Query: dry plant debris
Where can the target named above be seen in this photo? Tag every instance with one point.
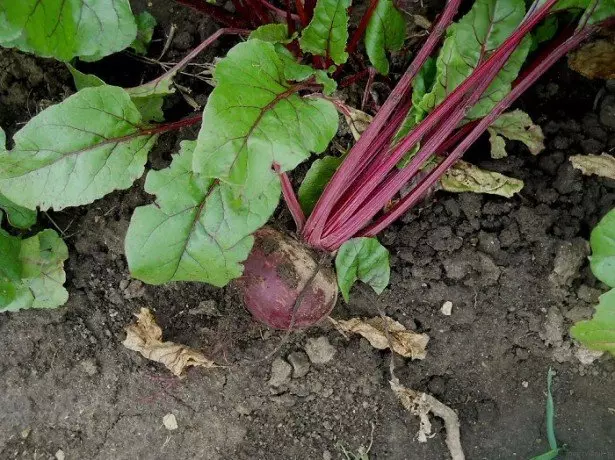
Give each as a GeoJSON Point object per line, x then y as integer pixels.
{"type": "Point", "coordinates": [406, 343]}
{"type": "Point", "coordinates": [145, 336]}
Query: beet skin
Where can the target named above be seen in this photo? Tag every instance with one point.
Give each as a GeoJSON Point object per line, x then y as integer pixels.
{"type": "Point", "coordinates": [278, 269]}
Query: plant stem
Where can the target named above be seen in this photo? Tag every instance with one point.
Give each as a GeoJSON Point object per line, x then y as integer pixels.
{"type": "Point", "coordinates": [292, 203]}
{"type": "Point", "coordinates": [445, 117]}
{"type": "Point", "coordinates": [280, 14]}
{"type": "Point", "coordinates": [356, 36]}
{"type": "Point", "coordinates": [370, 80]}
{"type": "Point", "coordinates": [350, 79]}
{"type": "Point", "coordinates": [174, 125]}
{"type": "Point", "coordinates": [539, 68]}
{"type": "Point", "coordinates": [301, 13]}
{"type": "Point", "coordinates": [195, 52]}
{"type": "Point", "coordinates": [218, 13]}
{"type": "Point", "coordinates": [355, 161]}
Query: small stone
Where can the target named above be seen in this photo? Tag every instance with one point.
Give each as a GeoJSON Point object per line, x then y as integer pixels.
{"type": "Point", "coordinates": [280, 372]}
{"type": "Point", "coordinates": [553, 331]}
{"type": "Point", "coordinates": [319, 350]}
{"type": "Point", "coordinates": [206, 307]}
{"type": "Point", "coordinates": [587, 356]}
{"type": "Point", "coordinates": [89, 366]}
{"type": "Point", "coordinates": [124, 284]}
{"type": "Point", "coordinates": [525, 384]}
{"type": "Point", "coordinates": [25, 433]}
{"type": "Point", "coordinates": [60, 455]}
{"type": "Point", "coordinates": [300, 363]}
{"type": "Point", "coordinates": [134, 290]}
{"type": "Point", "coordinates": [170, 422]}
{"type": "Point", "coordinates": [326, 455]}
{"type": "Point", "coordinates": [570, 256]}
{"type": "Point", "coordinates": [447, 308]}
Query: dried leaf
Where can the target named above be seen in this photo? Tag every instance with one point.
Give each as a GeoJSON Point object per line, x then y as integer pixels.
{"type": "Point", "coordinates": [515, 126]}
{"type": "Point", "coordinates": [404, 342]}
{"type": "Point", "coordinates": [146, 337]}
{"type": "Point", "coordinates": [600, 165]}
{"type": "Point", "coordinates": [594, 60]}
{"type": "Point", "coordinates": [421, 404]}
{"type": "Point", "coordinates": [422, 21]}
{"type": "Point", "coordinates": [465, 177]}
{"type": "Point", "coordinates": [358, 121]}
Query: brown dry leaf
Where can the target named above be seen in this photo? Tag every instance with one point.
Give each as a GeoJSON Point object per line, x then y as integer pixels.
{"type": "Point", "coordinates": [145, 336]}
{"type": "Point", "coordinates": [600, 165]}
{"type": "Point", "coordinates": [422, 21]}
{"type": "Point", "coordinates": [357, 120]}
{"type": "Point", "coordinates": [421, 404]}
{"type": "Point", "coordinates": [595, 59]}
{"type": "Point", "coordinates": [404, 342]}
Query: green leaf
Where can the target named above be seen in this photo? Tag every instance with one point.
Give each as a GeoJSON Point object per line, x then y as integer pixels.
{"type": "Point", "coordinates": [293, 71]}
{"type": "Point", "coordinates": [363, 259]}
{"type": "Point", "coordinates": [599, 10]}
{"type": "Point", "coordinates": [18, 216]}
{"type": "Point", "coordinates": [77, 151]}
{"type": "Point", "coordinates": [327, 33]}
{"type": "Point", "coordinates": [468, 43]}
{"type": "Point", "coordinates": [598, 333]}
{"type": "Point", "coordinates": [274, 33]}
{"type": "Point", "coordinates": [465, 177]}
{"type": "Point", "coordinates": [602, 242]}
{"type": "Point", "coordinates": [545, 31]}
{"type": "Point", "coordinates": [254, 118]}
{"type": "Point", "coordinates": [386, 31]}
{"type": "Point", "coordinates": [40, 279]}
{"type": "Point", "coordinates": [196, 230]}
{"type": "Point", "coordinates": [145, 31]}
{"type": "Point", "coordinates": [84, 80]}
{"type": "Point", "coordinates": [516, 126]}
{"type": "Point", "coordinates": [148, 98]}
{"type": "Point", "coordinates": [64, 29]}
{"type": "Point", "coordinates": [318, 176]}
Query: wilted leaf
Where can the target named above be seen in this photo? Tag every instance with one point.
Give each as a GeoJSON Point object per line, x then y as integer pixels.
{"type": "Point", "coordinates": [465, 177]}
{"type": "Point", "coordinates": [602, 242]}
{"type": "Point", "coordinates": [77, 151]}
{"type": "Point", "coordinates": [318, 176]}
{"type": "Point", "coordinates": [145, 30]}
{"type": "Point", "coordinates": [595, 59]}
{"type": "Point", "coordinates": [598, 333]}
{"type": "Point", "coordinates": [145, 336]}
{"type": "Point", "coordinates": [421, 404]}
{"type": "Point", "coordinates": [64, 29]}
{"type": "Point", "coordinates": [515, 126]}
{"type": "Point", "coordinates": [252, 104]}
{"type": "Point", "coordinates": [197, 230]}
{"type": "Point", "coordinates": [386, 31]}
{"type": "Point", "coordinates": [32, 271]}
{"type": "Point", "coordinates": [327, 33]}
{"type": "Point", "coordinates": [403, 342]}
{"type": "Point", "coordinates": [358, 121]}
{"type": "Point", "coordinates": [600, 165]}
{"type": "Point", "coordinates": [363, 259]}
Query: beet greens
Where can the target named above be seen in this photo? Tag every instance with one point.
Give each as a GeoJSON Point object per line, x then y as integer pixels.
{"type": "Point", "coordinates": [273, 106]}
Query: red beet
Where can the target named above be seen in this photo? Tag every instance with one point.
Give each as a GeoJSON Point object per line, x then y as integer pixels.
{"type": "Point", "coordinates": [278, 271]}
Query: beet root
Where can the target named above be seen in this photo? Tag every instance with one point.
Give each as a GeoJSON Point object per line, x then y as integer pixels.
{"type": "Point", "coordinates": [279, 273]}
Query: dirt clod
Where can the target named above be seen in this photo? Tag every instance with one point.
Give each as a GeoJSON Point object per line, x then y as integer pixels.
{"type": "Point", "coordinates": [319, 350]}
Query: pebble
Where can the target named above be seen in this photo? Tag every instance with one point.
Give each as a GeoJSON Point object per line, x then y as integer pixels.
{"type": "Point", "coordinates": [170, 422]}
{"type": "Point", "coordinates": [89, 366]}
{"type": "Point", "coordinates": [447, 308]}
{"type": "Point", "coordinates": [207, 308]}
{"type": "Point", "coordinates": [300, 362]}
{"type": "Point", "coordinates": [60, 455]}
{"type": "Point", "coordinates": [319, 350]}
{"type": "Point", "coordinates": [280, 373]}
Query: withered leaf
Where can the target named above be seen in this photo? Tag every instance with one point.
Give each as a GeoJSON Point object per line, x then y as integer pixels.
{"type": "Point", "coordinates": [600, 165]}
{"type": "Point", "coordinates": [403, 342]}
{"type": "Point", "coordinates": [595, 59]}
{"type": "Point", "coordinates": [145, 336]}
{"type": "Point", "coordinates": [465, 177]}
{"type": "Point", "coordinates": [357, 120]}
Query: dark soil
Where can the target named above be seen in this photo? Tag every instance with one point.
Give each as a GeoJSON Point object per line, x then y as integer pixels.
{"type": "Point", "coordinates": [515, 270]}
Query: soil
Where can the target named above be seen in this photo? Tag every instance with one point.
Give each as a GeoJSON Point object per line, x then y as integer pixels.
{"type": "Point", "coordinates": [515, 270]}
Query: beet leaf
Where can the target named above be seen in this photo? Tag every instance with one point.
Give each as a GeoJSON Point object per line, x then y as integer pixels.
{"type": "Point", "coordinates": [18, 216]}
{"type": "Point", "coordinates": [196, 230]}
{"type": "Point", "coordinates": [362, 259]}
{"type": "Point", "coordinates": [145, 31]}
{"type": "Point", "coordinates": [317, 177]}
{"type": "Point", "coordinates": [386, 31]}
{"type": "Point", "coordinates": [327, 33]}
{"type": "Point", "coordinates": [32, 271]}
{"type": "Point", "coordinates": [77, 151]}
{"type": "Point", "coordinates": [64, 29]}
{"type": "Point", "coordinates": [598, 333]}
{"type": "Point", "coordinates": [255, 119]}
